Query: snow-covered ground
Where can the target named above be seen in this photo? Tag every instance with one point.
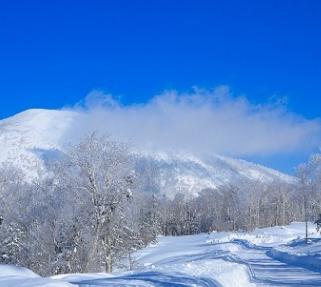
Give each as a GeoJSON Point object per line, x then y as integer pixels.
{"type": "Point", "coordinates": [11, 276]}
{"type": "Point", "coordinates": [276, 256]}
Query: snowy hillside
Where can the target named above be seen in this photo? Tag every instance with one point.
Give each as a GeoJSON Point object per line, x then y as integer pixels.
{"type": "Point", "coordinates": [218, 259]}
{"type": "Point", "coordinates": [28, 138]}
{"type": "Point", "coordinates": [185, 172]}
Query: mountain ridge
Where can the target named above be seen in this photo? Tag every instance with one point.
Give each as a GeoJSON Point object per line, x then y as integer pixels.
{"type": "Point", "coordinates": [27, 136]}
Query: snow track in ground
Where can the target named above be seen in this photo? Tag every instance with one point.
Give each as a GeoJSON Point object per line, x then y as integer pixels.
{"type": "Point", "coordinates": [152, 278]}
{"type": "Point", "coordinates": [266, 270]}
{"type": "Point", "coordinates": [193, 263]}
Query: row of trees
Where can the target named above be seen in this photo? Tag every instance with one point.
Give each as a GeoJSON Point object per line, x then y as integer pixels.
{"type": "Point", "coordinates": [87, 212]}
{"type": "Point", "coordinates": [309, 175]}
{"type": "Point", "coordinates": [232, 208]}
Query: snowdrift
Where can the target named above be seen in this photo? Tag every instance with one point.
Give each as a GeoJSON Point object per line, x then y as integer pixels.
{"type": "Point", "coordinates": [13, 276]}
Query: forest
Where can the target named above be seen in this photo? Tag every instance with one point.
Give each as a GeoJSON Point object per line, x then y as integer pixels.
{"type": "Point", "coordinates": [93, 206]}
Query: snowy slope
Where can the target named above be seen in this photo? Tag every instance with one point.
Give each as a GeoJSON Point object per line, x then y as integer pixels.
{"type": "Point", "coordinates": [185, 172]}
{"type": "Point", "coordinates": [28, 138]}
{"type": "Point", "coordinates": [25, 136]}
{"type": "Point", "coordinates": [218, 259]}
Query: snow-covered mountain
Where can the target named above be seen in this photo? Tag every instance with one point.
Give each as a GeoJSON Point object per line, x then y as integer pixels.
{"type": "Point", "coordinates": [26, 139]}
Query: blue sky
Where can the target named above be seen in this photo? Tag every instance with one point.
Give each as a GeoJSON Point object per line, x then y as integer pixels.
{"type": "Point", "coordinates": [53, 53]}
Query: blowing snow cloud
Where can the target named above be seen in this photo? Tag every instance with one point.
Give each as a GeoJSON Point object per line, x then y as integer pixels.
{"type": "Point", "coordinates": [200, 121]}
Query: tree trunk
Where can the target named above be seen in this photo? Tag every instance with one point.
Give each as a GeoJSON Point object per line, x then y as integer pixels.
{"type": "Point", "coordinates": [109, 262]}
{"type": "Point", "coordinates": [306, 231]}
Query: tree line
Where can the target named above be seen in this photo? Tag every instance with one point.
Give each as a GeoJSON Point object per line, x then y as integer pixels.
{"type": "Point", "coordinates": [93, 207]}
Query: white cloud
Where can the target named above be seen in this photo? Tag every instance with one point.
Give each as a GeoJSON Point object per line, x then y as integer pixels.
{"type": "Point", "coordinates": [201, 121]}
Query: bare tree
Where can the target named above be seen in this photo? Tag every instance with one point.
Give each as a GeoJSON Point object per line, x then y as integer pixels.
{"type": "Point", "coordinates": [101, 170]}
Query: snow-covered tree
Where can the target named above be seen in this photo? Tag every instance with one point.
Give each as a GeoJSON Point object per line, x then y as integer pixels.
{"type": "Point", "coordinates": [100, 172]}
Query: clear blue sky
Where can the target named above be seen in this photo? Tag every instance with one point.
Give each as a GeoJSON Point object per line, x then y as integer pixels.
{"type": "Point", "coordinates": [52, 53]}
